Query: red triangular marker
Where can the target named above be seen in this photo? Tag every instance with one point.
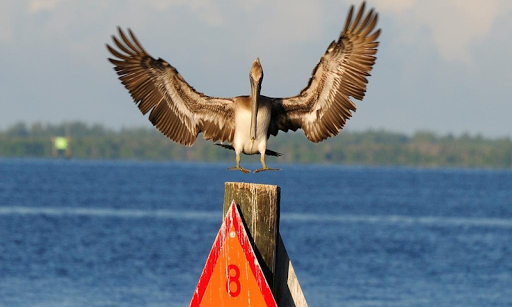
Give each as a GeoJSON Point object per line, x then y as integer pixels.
{"type": "Point", "coordinates": [232, 275]}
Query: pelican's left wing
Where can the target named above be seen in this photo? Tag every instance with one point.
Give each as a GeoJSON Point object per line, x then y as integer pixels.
{"type": "Point", "coordinates": [177, 109]}
{"type": "Point", "coordinates": [323, 107]}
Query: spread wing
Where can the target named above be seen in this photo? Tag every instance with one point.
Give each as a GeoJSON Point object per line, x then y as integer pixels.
{"type": "Point", "coordinates": [176, 109]}
{"type": "Point", "coordinates": [322, 108]}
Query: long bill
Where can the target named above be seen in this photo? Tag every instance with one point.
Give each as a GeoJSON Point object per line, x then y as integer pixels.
{"type": "Point", "coordinates": [254, 109]}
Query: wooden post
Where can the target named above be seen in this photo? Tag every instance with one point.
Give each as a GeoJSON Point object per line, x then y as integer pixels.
{"type": "Point", "coordinates": [259, 206]}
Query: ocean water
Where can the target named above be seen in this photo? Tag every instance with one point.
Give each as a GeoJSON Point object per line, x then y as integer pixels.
{"type": "Point", "coordinates": [120, 233]}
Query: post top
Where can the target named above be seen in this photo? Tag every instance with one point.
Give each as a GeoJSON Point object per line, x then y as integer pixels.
{"type": "Point", "coordinates": [255, 185]}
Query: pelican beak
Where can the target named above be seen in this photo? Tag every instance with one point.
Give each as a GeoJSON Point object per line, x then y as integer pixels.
{"type": "Point", "coordinates": [254, 109]}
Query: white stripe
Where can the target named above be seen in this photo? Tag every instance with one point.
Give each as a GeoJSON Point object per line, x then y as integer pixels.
{"type": "Point", "coordinates": [288, 217]}
{"type": "Point", "coordinates": [401, 219]}
{"type": "Point", "coordinates": [100, 212]}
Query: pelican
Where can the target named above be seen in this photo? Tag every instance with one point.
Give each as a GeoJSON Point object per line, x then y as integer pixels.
{"type": "Point", "coordinates": [245, 122]}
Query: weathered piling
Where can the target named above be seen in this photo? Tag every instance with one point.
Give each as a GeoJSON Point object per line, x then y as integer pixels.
{"type": "Point", "coordinates": [259, 205]}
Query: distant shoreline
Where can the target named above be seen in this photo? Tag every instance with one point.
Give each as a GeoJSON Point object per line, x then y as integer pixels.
{"type": "Point", "coordinates": [367, 148]}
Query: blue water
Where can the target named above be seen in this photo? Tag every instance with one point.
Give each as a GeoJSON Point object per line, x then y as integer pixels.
{"type": "Point", "coordinates": [96, 233]}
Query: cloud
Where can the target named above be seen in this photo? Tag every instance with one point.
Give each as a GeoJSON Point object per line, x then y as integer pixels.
{"type": "Point", "coordinates": [7, 15]}
{"type": "Point", "coordinates": [36, 6]}
{"type": "Point", "coordinates": [398, 6]}
{"type": "Point", "coordinates": [453, 26]}
{"type": "Point", "coordinates": [205, 10]}
{"type": "Point", "coordinates": [301, 20]}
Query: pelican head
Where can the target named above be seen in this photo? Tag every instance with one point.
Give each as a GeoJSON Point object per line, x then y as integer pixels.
{"type": "Point", "coordinates": [255, 76]}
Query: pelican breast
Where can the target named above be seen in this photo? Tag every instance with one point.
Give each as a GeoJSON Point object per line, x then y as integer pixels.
{"type": "Point", "coordinates": [242, 139]}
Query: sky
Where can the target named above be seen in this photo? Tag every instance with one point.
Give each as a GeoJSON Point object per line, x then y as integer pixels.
{"type": "Point", "coordinates": [443, 65]}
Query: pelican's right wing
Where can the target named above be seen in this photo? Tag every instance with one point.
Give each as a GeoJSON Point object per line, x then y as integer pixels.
{"type": "Point", "coordinates": [323, 107]}
{"type": "Point", "coordinates": [177, 109]}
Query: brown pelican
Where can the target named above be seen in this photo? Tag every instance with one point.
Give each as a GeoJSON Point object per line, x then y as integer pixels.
{"type": "Point", "coordinates": [321, 109]}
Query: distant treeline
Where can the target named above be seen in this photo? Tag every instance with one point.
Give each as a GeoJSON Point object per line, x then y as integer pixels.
{"type": "Point", "coordinates": [423, 149]}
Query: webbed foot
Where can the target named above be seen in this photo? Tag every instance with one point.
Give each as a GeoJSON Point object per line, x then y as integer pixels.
{"type": "Point", "coordinates": [238, 168]}
{"type": "Point", "coordinates": [266, 169]}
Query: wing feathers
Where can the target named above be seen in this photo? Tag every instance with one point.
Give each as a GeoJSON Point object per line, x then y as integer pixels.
{"type": "Point", "coordinates": [358, 18]}
{"type": "Point", "coordinates": [176, 109]}
{"type": "Point", "coordinates": [123, 48]}
{"type": "Point", "coordinates": [128, 42]}
{"type": "Point", "coordinates": [371, 26]}
{"type": "Point", "coordinates": [348, 21]}
{"type": "Point", "coordinates": [365, 23]}
{"type": "Point", "coordinates": [135, 40]}
{"type": "Point", "coordinates": [324, 106]}
{"type": "Point", "coordinates": [116, 54]}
